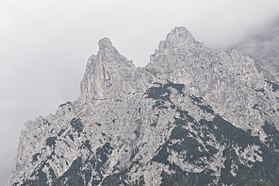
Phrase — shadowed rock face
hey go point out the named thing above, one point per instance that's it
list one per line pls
(192, 116)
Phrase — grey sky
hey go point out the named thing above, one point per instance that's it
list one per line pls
(264, 41)
(45, 45)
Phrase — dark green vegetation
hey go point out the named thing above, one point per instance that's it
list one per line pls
(199, 102)
(35, 157)
(162, 91)
(274, 85)
(73, 176)
(273, 135)
(40, 176)
(115, 179)
(41, 180)
(189, 138)
(226, 133)
(51, 141)
(77, 125)
(260, 173)
(184, 179)
(79, 173)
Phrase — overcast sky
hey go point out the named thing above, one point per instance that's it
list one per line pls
(264, 41)
(44, 46)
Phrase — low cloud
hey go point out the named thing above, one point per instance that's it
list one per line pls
(263, 42)
(45, 45)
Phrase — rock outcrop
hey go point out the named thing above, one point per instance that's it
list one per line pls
(193, 115)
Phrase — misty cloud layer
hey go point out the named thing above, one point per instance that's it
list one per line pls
(45, 45)
(263, 45)
(263, 42)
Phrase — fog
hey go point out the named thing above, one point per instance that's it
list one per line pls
(45, 45)
(263, 42)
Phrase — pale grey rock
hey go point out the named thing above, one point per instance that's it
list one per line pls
(226, 79)
(126, 116)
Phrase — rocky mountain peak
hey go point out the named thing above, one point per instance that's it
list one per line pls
(106, 73)
(107, 52)
(105, 44)
(192, 116)
(179, 37)
(180, 33)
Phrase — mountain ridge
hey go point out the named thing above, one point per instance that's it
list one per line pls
(184, 118)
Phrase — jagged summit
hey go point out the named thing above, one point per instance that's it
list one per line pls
(192, 116)
(178, 38)
(180, 33)
(107, 52)
(106, 74)
(105, 43)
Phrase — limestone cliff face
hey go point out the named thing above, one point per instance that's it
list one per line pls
(191, 116)
(106, 73)
(226, 79)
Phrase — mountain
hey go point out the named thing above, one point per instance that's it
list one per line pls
(192, 116)
(263, 46)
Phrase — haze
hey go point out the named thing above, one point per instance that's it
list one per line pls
(45, 45)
